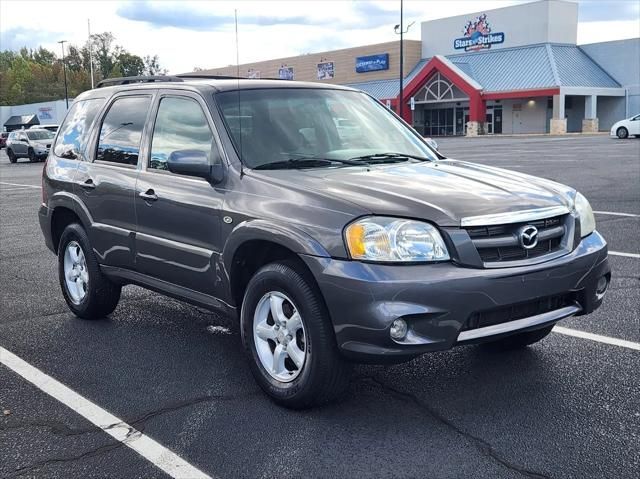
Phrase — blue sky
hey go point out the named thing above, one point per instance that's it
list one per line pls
(189, 34)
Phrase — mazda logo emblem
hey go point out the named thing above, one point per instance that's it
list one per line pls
(528, 236)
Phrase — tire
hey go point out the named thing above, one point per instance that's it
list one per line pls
(622, 132)
(32, 155)
(12, 156)
(100, 296)
(521, 340)
(324, 375)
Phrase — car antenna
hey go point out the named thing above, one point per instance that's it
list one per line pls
(235, 13)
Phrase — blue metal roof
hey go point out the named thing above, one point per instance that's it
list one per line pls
(576, 68)
(518, 68)
(380, 89)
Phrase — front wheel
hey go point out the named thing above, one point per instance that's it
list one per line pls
(32, 156)
(622, 132)
(88, 293)
(520, 340)
(289, 338)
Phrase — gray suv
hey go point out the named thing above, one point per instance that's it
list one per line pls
(243, 196)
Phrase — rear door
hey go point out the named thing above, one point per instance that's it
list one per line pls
(106, 183)
(178, 235)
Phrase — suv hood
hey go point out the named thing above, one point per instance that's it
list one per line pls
(42, 143)
(444, 191)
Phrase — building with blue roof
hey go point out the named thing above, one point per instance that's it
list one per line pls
(510, 70)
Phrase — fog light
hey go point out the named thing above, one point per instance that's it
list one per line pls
(601, 287)
(398, 329)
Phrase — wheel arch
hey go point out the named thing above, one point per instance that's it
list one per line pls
(257, 243)
(66, 209)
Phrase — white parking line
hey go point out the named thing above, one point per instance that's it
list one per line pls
(614, 213)
(628, 255)
(17, 184)
(597, 337)
(151, 450)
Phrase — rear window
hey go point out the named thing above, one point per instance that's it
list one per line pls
(74, 132)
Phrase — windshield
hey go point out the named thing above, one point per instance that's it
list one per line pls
(40, 135)
(278, 124)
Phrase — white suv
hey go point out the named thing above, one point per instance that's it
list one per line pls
(32, 144)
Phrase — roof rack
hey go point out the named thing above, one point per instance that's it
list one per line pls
(206, 76)
(137, 79)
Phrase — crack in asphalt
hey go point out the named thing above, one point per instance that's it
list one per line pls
(483, 446)
(135, 429)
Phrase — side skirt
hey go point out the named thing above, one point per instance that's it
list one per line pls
(126, 276)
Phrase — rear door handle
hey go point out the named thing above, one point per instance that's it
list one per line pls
(148, 195)
(88, 184)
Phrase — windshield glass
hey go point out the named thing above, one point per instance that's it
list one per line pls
(278, 124)
(40, 135)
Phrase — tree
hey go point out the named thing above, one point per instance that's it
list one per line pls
(103, 56)
(152, 66)
(44, 56)
(131, 65)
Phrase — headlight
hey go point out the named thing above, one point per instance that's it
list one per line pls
(585, 213)
(394, 240)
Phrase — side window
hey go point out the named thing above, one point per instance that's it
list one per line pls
(121, 130)
(180, 125)
(74, 131)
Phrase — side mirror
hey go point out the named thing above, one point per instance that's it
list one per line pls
(195, 163)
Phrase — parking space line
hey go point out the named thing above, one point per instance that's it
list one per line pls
(597, 337)
(18, 184)
(148, 448)
(613, 213)
(627, 255)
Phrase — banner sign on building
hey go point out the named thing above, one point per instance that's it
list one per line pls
(286, 73)
(372, 63)
(477, 35)
(45, 113)
(326, 70)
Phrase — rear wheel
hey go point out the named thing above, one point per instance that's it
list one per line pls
(521, 340)
(622, 132)
(88, 293)
(32, 155)
(289, 338)
(12, 156)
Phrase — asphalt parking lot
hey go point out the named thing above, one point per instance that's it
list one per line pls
(566, 407)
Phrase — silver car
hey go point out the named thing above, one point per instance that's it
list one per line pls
(32, 144)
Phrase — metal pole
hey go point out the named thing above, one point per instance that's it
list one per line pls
(64, 69)
(401, 60)
(90, 51)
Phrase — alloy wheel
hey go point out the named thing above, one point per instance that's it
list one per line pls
(279, 336)
(76, 274)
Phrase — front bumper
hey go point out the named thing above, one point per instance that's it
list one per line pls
(436, 300)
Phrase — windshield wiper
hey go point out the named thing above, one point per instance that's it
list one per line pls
(390, 157)
(309, 162)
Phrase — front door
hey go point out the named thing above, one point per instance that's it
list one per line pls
(178, 235)
(107, 184)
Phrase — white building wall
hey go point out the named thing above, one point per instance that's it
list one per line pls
(49, 112)
(524, 116)
(621, 60)
(552, 21)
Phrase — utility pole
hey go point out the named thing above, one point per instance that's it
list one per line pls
(90, 51)
(64, 69)
(399, 29)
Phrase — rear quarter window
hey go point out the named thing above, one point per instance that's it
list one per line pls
(74, 132)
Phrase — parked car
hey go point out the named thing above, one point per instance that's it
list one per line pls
(3, 139)
(50, 127)
(31, 144)
(626, 128)
(326, 254)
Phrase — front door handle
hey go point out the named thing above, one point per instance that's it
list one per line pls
(88, 184)
(148, 195)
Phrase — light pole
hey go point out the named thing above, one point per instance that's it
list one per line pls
(399, 30)
(64, 69)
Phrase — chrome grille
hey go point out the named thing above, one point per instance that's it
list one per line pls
(500, 243)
